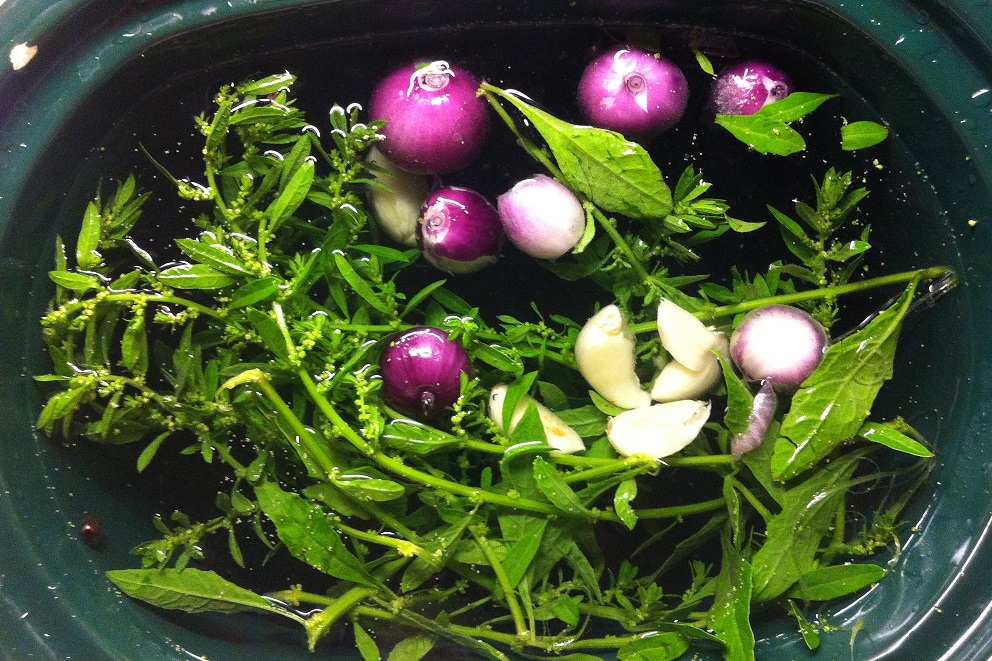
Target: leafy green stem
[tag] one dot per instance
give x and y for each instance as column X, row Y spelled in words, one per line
column 523, row 632
column 491, row 93
column 621, row 243
column 319, row 624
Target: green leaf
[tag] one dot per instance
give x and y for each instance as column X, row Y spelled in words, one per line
column 218, row 256
column 763, row 134
column 793, row 536
column 514, row 392
column 309, row 534
column 367, row 488
column 521, row 554
column 60, row 405
column 625, row 493
column 731, row 613
column 825, row 583
column 887, row 435
column 859, row 135
column 267, row 85
column 253, row 292
column 795, row 106
column 292, row 196
column 666, row 646
column 194, row 276
column 587, row 421
column 74, row 281
column 553, row 486
column 806, row 628
column 148, row 453
column 615, row 174
column 268, row 331
column 366, row 644
column 413, row 648
column 359, row 284
column 88, row 242
column 191, row 590
column 134, row 345
column 832, row 404
column 704, row 62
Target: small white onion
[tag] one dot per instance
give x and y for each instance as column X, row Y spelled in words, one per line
column 559, row 435
column 397, row 208
column 658, row 430
column 604, row 353
column 541, row 217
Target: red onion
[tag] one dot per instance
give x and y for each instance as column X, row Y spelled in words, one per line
column 746, row 87
column 459, row 230
column 634, row 92
column 778, row 343
column 542, row 217
column 434, row 120
column 421, row 371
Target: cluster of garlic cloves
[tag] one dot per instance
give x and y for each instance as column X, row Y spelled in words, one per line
column 604, row 353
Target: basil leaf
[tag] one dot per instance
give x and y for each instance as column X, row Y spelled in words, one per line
column 889, row 436
column 309, row 535
column 825, row 583
column 194, row 276
column 859, row 135
column 190, row 590
column 832, row 404
column 615, row 174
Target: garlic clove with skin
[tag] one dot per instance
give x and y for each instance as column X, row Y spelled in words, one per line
column 684, row 336
column 658, row 430
column 604, row 353
column 397, row 206
column 676, row 381
column 559, row 435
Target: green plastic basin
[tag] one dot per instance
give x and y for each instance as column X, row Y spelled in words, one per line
column 108, row 73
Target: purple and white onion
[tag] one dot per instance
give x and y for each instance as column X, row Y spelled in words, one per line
column 778, row 343
column 434, row 121
column 633, row 91
column 746, row 87
column 459, row 230
column 762, row 412
column 542, row 217
column 421, row 371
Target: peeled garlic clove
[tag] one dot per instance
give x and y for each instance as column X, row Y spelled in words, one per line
column 559, row 435
column 658, row 430
column 683, row 335
column 676, row 381
column 604, row 352
column 397, row 207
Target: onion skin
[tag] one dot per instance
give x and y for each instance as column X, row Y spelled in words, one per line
column 762, row 412
column 397, row 209
column 421, row 371
column 633, row 91
column 778, row 343
column 541, row 217
column 747, row 87
column 435, row 123
column 604, row 353
column 459, row 230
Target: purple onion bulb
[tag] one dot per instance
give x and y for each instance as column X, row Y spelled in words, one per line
column 421, row 371
column 778, row 343
column 542, row 217
column 634, row 92
column 459, row 230
column 758, row 421
column 434, row 121
column 746, row 87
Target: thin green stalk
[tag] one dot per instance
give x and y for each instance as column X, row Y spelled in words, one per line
column 681, row 510
column 751, row 498
column 405, row 547
column 619, row 241
column 523, row 633
column 491, row 93
column 318, row 624
column 723, row 311
column 133, row 297
column 636, row 465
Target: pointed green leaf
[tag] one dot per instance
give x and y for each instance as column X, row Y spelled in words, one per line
column 253, row 291
column 218, row 256
column 825, row 583
column 553, row 486
column 88, row 242
column 521, row 554
column 889, row 436
column 194, row 276
column 74, row 281
column 292, row 196
column 859, row 135
column 359, row 284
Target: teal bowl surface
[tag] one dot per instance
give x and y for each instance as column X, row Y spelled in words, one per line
column 110, row 73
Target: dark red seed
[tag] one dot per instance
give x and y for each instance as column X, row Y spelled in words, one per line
column 91, row 531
